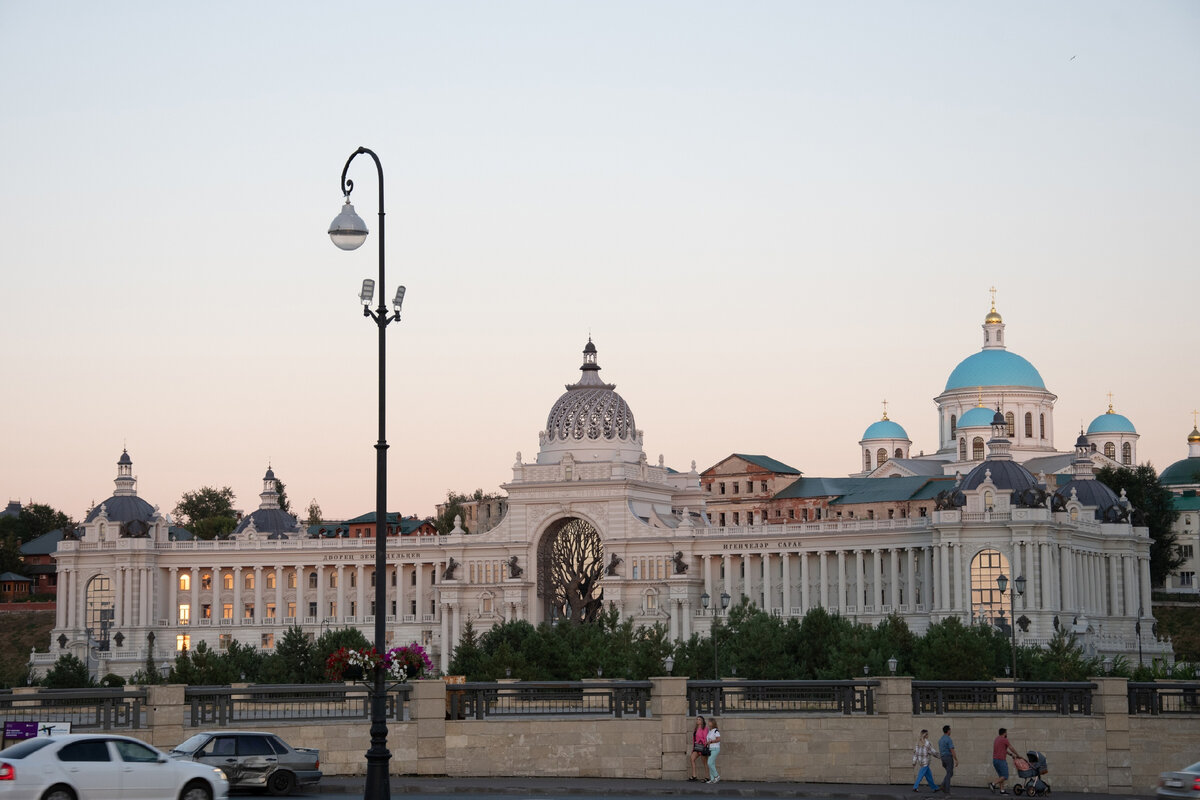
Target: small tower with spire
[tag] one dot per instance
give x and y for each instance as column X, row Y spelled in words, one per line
column 125, row 482
column 993, row 327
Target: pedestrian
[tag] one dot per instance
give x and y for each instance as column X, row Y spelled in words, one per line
column 1000, row 752
column 699, row 745
column 922, row 756
column 714, row 749
column 949, row 757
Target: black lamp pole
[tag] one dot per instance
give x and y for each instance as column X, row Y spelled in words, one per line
column 1018, row 588
column 348, row 232
column 704, row 598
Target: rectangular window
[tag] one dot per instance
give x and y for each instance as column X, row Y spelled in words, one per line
column 635, row 571
column 791, row 513
column 1185, row 551
column 708, row 488
column 227, row 611
column 762, row 486
column 183, row 642
column 737, row 518
column 332, row 580
column 185, row 614
column 248, row 610
column 1186, row 578
column 206, row 610
column 736, row 486
column 891, row 513
column 312, row 608
column 291, row 608
column 291, row 580
column 227, row 580
column 804, row 515
column 487, row 605
column 270, row 611
column 778, row 513
column 818, row 513
column 223, row 641
column 270, row 580
column 722, row 519
column 206, row 581
column 921, row 511
column 267, row 642
column 722, row 487
column 651, row 602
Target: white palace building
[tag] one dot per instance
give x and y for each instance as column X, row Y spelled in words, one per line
column 591, row 522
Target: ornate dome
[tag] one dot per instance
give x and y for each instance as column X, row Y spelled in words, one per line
column 977, row 417
column 273, row 523
column 994, row 368
column 1005, row 474
column 1091, row 492
column 124, row 505
column 590, row 409
column 1111, row 422
column 884, row 429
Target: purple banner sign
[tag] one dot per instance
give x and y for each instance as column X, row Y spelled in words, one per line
column 20, row 730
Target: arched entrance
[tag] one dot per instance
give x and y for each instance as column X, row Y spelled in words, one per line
column 570, row 566
column 99, row 610
column 988, row 606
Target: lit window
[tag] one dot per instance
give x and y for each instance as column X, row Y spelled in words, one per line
column 271, row 580
column 224, row 640
column 248, row 611
column 227, row 611
column 270, row 611
column 185, row 582
column 227, row 580
column 267, row 641
column 185, row 614
column 651, row 602
column 248, row 580
column 183, row 642
column 206, row 581
column 291, row 580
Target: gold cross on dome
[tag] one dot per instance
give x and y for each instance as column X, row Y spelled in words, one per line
column 885, row 408
column 1110, row 403
column 993, row 291
column 1194, row 414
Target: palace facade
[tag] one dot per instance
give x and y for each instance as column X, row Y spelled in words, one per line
column 592, row 522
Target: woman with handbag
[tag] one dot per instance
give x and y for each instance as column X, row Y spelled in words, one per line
column 922, row 756
column 714, row 750
column 699, row 747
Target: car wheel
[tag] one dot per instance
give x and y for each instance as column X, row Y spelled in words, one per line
column 196, row 790
column 281, row 782
column 59, row 792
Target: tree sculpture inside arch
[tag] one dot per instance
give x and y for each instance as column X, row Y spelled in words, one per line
column 570, row 566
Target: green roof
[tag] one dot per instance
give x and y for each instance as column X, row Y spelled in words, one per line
column 1186, row 503
column 768, row 463
column 867, row 490
column 43, row 545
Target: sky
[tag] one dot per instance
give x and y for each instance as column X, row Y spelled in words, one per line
column 768, row 216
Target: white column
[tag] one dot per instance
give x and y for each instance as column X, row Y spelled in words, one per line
column 895, row 573
column 237, row 595
column 339, row 596
column 943, row 601
column 1131, row 594
column 119, row 598
column 1114, row 591
column 685, row 612
column 707, row 565
column 860, row 577
column 804, row 604
column 841, row 590
column 280, row 608
column 785, row 560
column 909, row 598
column 195, row 598
column 301, row 580
column 1067, row 575
column 674, row 628
column 748, row 579
column 401, row 610
column 1046, row 577
column 1017, row 571
column 877, row 579
column 62, row 598
column 727, row 563
column 127, row 593
column 173, row 593
column 823, row 558
column 259, row 612
column 420, row 594
column 959, row 581
column 1144, row 563
column 320, row 594
column 768, row 600
column 360, row 580
column 455, row 624
column 445, row 632
column 927, row 578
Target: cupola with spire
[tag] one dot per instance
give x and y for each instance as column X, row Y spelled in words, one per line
column 124, row 505
column 270, row 520
column 1185, row 472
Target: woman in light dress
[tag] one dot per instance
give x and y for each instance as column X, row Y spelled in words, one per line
column 714, row 749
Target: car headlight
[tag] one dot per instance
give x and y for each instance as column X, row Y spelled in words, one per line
column 220, row 773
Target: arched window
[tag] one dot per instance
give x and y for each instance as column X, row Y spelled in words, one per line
column 312, row 580
column 977, row 449
column 332, row 580
column 99, row 609
column 881, row 455
column 989, row 501
column 206, row 581
column 227, row 580
column 962, row 449
column 1041, row 426
column 248, row 580
column 953, row 424
column 1127, row 454
column 271, row 579
column 1010, row 425
column 291, row 579
column 899, row 453
column 988, row 606
column 1110, row 450
column 185, row 582
column 1028, row 425
column 866, row 460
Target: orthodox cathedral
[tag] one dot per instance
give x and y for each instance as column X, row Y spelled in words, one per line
column 592, row 522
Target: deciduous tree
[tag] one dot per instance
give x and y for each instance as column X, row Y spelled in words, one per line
column 1154, row 502
column 204, row 503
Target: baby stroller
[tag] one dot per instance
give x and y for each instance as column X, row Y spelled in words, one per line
column 1032, row 771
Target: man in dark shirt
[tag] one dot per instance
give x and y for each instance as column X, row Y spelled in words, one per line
column 949, row 757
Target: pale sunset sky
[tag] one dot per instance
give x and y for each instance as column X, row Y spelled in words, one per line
column 769, row 216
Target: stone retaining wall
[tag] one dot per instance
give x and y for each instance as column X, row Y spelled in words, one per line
column 1109, row 751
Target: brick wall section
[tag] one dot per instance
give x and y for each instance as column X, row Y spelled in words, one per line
column 1109, row 751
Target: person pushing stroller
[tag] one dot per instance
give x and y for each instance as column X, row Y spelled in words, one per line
column 1001, row 749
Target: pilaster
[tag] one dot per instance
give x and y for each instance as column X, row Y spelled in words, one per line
column 429, row 708
column 668, row 704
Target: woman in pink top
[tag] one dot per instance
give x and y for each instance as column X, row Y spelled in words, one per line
column 699, row 745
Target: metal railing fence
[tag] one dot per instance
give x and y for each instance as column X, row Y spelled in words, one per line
column 986, row 697
column 1164, row 698
column 781, row 697
column 222, row 705
column 532, row 698
column 106, row 709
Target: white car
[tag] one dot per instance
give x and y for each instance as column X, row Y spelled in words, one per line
column 102, row 767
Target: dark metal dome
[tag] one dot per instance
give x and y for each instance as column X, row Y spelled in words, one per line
column 1005, row 474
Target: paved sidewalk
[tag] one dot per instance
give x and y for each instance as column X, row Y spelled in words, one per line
column 565, row 787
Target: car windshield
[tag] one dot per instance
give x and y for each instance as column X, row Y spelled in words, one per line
column 22, row 749
column 1193, row 768
column 192, row 744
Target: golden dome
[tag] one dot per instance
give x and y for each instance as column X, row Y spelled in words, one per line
column 1194, row 436
column 993, row 317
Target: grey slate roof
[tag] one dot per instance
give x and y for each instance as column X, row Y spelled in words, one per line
column 768, row 463
column 123, row 508
column 43, row 545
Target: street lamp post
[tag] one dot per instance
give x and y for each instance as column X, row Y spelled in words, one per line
column 1018, row 589
column 348, row 232
column 704, row 600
